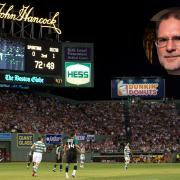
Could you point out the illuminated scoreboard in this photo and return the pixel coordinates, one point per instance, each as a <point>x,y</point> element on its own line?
<point>31,62</point>
<point>46,63</point>
<point>43,58</point>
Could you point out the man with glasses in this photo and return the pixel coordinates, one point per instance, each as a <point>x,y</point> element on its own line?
<point>168,39</point>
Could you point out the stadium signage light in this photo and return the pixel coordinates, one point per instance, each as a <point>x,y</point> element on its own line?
<point>24,15</point>
<point>78,74</point>
<point>18,78</point>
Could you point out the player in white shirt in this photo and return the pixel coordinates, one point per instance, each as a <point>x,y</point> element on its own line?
<point>127,153</point>
<point>82,156</point>
<point>38,148</point>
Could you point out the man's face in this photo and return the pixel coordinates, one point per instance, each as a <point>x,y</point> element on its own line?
<point>169,55</point>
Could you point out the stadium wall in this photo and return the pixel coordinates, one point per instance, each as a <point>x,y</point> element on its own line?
<point>14,147</point>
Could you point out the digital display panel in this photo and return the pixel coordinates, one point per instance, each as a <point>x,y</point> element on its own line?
<point>73,51</point>
<point>46,63</point>
<point>43,57</point>
<point>30,62</point>
<point>12,55</point>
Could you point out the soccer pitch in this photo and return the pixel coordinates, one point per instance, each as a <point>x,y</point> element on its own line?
<point>94,171</point>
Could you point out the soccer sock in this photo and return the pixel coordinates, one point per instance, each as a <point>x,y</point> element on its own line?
<point>67,176</point>
<point>55,166</point>
<point>74,171</point>
<point>75,167</point>
<point>60,166</point>
<point>67,169</point>
<point>35,168</point>
<point>126,165</point>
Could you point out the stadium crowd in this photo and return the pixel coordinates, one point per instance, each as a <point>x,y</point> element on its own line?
<point>154,126</point>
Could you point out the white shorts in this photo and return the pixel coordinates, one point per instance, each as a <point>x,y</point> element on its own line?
<point>37,157</point>
<point>82,157</point>
<point>127,159</point>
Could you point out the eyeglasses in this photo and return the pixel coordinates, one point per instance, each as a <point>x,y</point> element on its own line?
<point>162,42</point>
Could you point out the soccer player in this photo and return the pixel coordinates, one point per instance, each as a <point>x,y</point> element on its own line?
<point>59,156</point>
<point>71,149</point>
<point>127,153</point>
<point>29,158</point>
<point>39,148</point>
<point>82,156</point>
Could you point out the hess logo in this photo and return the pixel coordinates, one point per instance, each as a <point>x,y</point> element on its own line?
<point>78,74</point>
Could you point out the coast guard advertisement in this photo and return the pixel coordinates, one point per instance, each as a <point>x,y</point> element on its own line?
<point>143,87</point>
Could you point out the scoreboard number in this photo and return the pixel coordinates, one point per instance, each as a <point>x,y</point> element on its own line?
<point>41,65</point>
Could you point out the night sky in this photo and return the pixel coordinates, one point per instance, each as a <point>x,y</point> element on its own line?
<point>116,28</point>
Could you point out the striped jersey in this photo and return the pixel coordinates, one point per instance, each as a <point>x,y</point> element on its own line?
<point>39,147</point>
<point>127,151</point>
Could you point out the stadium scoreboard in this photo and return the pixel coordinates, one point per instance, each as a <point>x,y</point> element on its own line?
<point>43,58</point>
<point>43,63</point>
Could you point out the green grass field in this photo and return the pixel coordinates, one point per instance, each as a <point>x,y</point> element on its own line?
<point>94,171</point>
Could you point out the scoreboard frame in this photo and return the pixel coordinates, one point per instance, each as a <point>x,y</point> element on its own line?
<point>45,63</point>
<point>33,73</point>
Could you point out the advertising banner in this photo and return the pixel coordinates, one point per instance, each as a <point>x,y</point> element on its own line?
<point>53,138</point>
<point>142,87</point>
<point>24,140</point>
<point>78,74</point>
<point>5,136</point>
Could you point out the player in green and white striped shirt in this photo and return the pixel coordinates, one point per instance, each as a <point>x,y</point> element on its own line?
<point>39,148</point>
<point>127,153</point>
